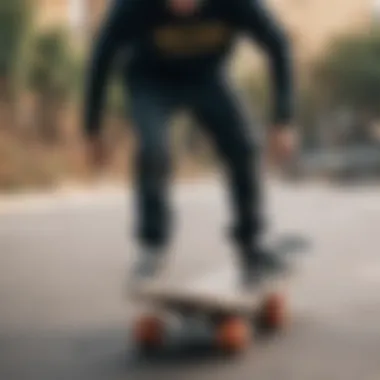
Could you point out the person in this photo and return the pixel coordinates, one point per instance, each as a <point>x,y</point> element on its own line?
<point>174,54</point>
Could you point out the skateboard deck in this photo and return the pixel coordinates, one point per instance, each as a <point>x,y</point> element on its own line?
<point>232,314</point>
<point>206,301</point>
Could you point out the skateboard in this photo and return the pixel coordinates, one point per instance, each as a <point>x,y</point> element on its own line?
<point>232,317</point>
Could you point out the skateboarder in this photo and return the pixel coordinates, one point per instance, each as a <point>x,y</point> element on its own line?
<point>173,53</point>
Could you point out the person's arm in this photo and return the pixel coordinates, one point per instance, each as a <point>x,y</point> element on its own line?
<point>253,17</point>
<point>118,27</point>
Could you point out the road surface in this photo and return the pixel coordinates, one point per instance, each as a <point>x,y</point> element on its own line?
<point>64,260</point>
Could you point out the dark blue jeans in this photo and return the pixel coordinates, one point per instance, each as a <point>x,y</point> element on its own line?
<point>219,113</point>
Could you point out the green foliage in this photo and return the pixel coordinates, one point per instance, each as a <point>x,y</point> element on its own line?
<point>257,90</point>
<point>50,71</point>
<point>349,74</point>
<point>51,67</point>
<point>117,104</point>
<point>14,21</point>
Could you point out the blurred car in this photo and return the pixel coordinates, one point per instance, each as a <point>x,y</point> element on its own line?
<point>351,163</point>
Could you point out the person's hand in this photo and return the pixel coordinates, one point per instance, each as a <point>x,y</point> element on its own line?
<point>96,154</point>
<point>282,145</point>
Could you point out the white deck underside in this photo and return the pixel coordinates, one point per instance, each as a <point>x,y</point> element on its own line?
<point>217,290</point>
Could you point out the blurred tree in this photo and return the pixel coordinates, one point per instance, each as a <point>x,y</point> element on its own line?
<point>14,21</point>
<point>118,101</point>
<point>257,88</point>
<point>117,111</point>
<point>348,77</point>
<point>50,73</point>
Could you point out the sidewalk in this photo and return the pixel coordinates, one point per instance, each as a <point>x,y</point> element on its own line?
<point>78,194</point>
<point>71,194</point>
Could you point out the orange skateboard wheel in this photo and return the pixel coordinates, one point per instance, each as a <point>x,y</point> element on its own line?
<point>274,315</point>
<point>233,334</point>
<point>149,331</point>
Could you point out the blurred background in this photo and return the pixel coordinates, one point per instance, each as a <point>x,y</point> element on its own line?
<point>44,52</point>
<point>64,255</point>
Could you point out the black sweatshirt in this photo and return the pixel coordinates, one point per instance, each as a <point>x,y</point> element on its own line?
<point>178,48</point>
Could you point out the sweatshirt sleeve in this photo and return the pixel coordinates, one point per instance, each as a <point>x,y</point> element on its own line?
<point>118,27</point>
<point>253,17</point>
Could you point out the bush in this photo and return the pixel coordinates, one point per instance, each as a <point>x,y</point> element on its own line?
<point>257,90</point>
<point>14,21</point>
<point>50,64</point>
<point>50,73</point>
<point>349,74</point>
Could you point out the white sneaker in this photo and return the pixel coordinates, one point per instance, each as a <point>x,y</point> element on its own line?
<point>149,265</point>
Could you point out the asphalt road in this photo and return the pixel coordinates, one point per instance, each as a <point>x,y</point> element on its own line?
<point>64,260</point>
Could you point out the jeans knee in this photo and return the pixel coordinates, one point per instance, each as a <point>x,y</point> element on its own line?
<point>153,159</point>
<point>243,155</point>
<point>248,150</point>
